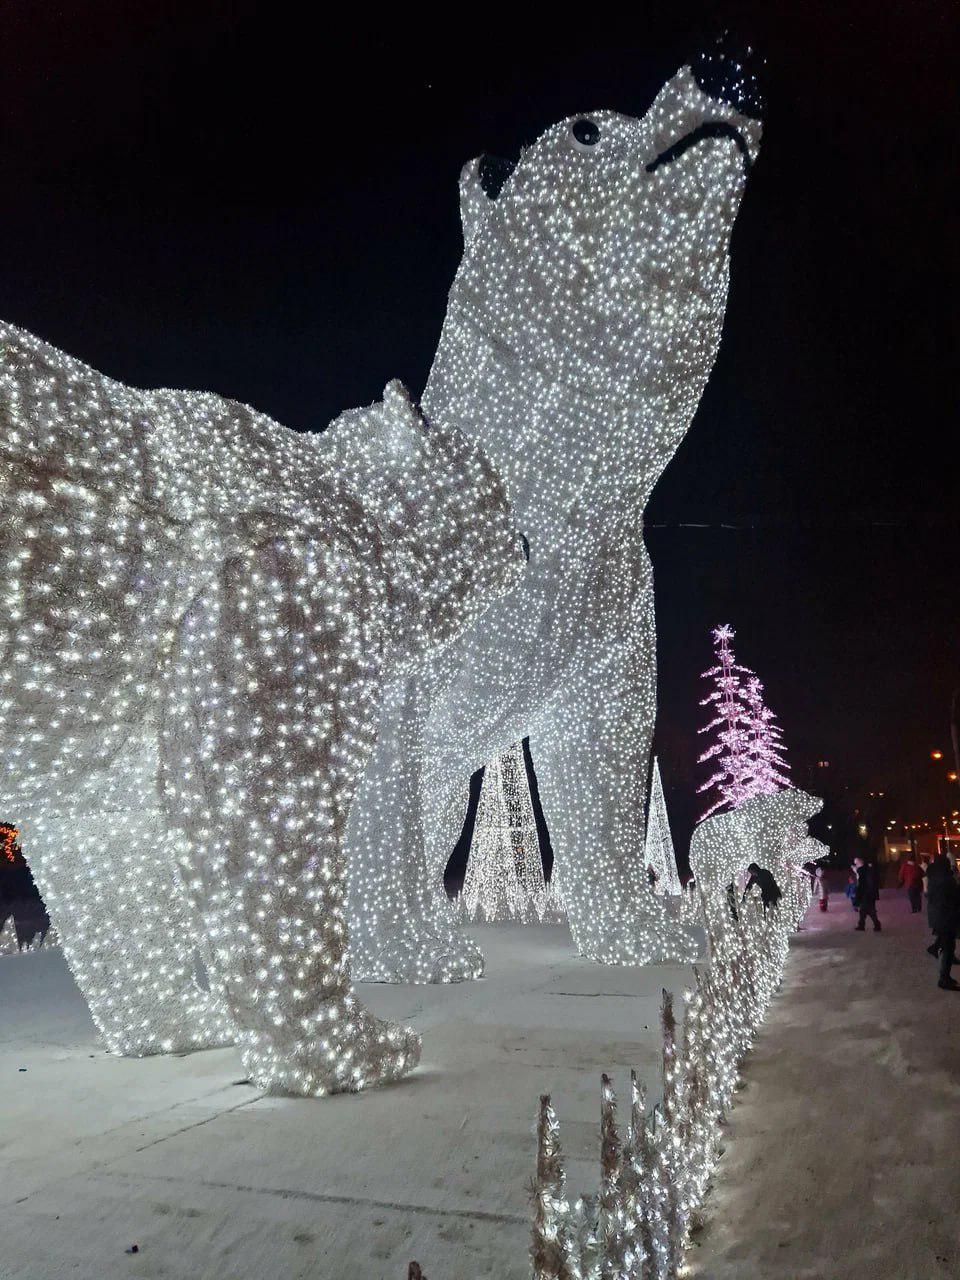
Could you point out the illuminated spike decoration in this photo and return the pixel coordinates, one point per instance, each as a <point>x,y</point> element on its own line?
<point>658,849</point>
<point>201,611</point>
<point>504,879</point>
<point>581,329</point>
<point>653,1184</point>
<point>10,944</point>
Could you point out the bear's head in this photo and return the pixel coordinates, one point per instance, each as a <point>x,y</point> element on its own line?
<point>765,830</point>
<point>597,263</point>
<point>775,826</point>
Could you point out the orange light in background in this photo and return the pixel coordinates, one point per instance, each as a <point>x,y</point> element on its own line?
<point>951,776</point>
<point>936,755</point>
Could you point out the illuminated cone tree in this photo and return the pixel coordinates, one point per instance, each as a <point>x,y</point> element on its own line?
<point>504,879</point>
<point>658,847</point>
<point>769,769</point>
<point>747,751</point>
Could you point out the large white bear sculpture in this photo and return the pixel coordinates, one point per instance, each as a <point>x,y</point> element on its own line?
<point>200,611</point>
<point>581,328</point>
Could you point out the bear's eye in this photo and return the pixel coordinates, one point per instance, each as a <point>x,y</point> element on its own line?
<point>586,132</point>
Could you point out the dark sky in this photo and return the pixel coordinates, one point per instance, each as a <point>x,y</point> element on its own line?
<point>222,196</point>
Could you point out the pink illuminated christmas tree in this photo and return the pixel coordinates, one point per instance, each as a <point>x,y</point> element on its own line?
<point>769,769</point>
<point>747,753</point>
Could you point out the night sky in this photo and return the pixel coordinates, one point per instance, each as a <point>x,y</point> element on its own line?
<point>217,196</point>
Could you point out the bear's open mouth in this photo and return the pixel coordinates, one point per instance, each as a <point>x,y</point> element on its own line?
<point>709,129</point>
<point>493,171</point>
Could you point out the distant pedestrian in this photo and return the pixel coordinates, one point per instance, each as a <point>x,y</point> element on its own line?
<point>910,878</point>
<point>770,893</point>
<point>866,894</point>
<point>820,891</point>
<point>732,900</point>
<point>943,914</point>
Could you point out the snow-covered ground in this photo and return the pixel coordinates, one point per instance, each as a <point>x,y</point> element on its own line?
<point>211,1180</point>
<point>843,1151</point>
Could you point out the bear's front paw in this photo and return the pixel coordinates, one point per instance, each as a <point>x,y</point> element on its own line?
<point>358,1051</point>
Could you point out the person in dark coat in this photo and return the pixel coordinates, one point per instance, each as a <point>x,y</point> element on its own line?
<point>770,893</point>
<point>866,894</point>
<point>943,915</point>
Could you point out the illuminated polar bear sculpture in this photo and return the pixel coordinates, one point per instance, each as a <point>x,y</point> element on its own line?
<point>769,830</point>
<point>201,608</point>
<point>581,328</point>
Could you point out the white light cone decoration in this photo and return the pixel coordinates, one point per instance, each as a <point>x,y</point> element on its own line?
<point>201,610</point>
<point>581,329</point>
<point>550,908</point>
<point>658,848</point>
<point>504,879</point>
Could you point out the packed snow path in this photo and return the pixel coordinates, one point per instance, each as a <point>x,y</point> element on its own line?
<point>843,1151</point>
<point>214,1181</point>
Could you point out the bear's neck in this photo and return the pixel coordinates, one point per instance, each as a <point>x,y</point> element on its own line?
<point>563,455</point>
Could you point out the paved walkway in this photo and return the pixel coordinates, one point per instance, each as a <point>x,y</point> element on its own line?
<point>843,1152</point>
<point>213,1181</point>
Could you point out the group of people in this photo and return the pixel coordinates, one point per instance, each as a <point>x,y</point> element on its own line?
<point>863,890</point>
<point>937,878</point>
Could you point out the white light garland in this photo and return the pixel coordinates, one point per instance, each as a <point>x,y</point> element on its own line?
<point>201,599</point>
<point>504,878</point>
<point>652,1185</point>
<point>581,328</point>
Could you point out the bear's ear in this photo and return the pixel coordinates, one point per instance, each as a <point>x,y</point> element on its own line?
<point>474,201</point>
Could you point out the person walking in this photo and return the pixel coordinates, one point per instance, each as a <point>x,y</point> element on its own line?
<point>820,891</point>
<point>910,877</point>
<point>865,895</point>
<point>770,893</point>
<point>943,915</point>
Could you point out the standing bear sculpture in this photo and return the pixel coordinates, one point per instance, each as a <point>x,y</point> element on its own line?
<point>201,610</point>
<point>581,328</point>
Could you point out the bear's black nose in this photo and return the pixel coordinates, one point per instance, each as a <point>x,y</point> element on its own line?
<point>729,73</point>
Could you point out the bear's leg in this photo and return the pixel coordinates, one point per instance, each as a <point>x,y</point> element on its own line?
<point>401,923</point>
<point>591,751</point>
<point>270,715</point>
<point>110,882</point>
